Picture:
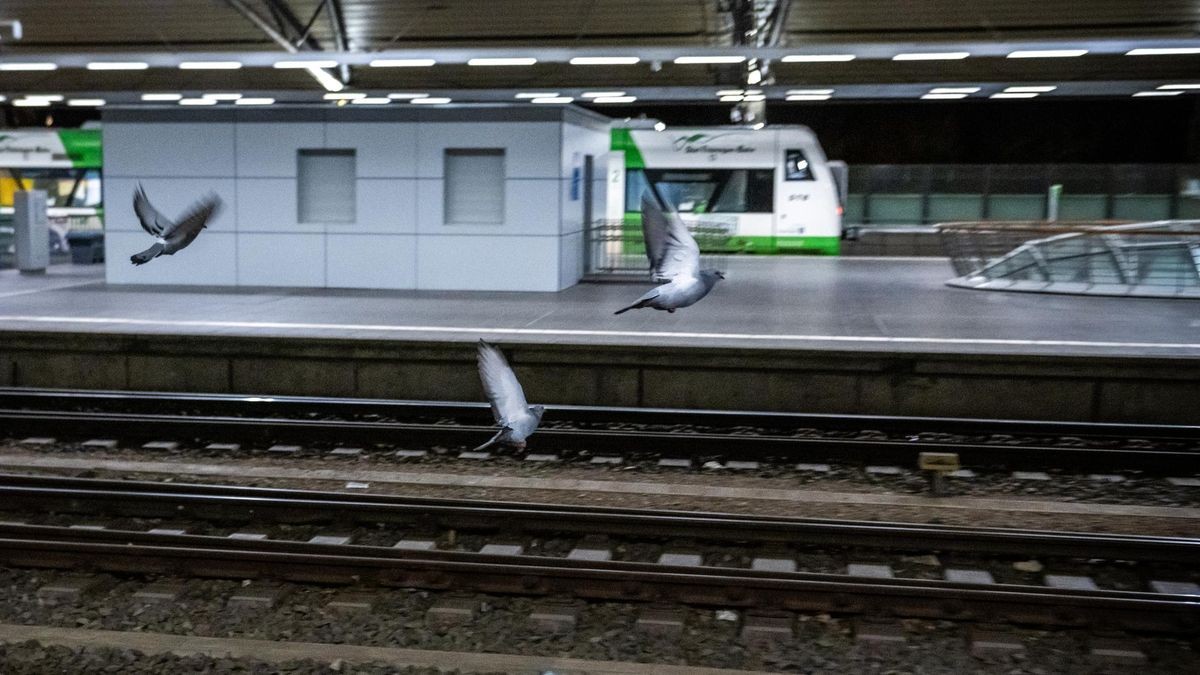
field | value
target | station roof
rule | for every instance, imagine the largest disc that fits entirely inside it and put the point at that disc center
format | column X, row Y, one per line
column 163, row 33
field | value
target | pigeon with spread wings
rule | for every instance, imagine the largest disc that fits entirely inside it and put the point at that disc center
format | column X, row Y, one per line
column 170, row 236
column 674, row 259
column 517, row 419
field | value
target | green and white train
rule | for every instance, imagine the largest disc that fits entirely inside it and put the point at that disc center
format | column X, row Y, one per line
column 771, row 189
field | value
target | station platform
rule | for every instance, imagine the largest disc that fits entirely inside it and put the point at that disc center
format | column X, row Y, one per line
column 852, row 335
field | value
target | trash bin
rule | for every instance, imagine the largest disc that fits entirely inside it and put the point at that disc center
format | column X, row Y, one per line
column 87, row 247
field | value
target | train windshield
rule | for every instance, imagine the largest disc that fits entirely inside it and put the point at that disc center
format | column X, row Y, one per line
column 707, row 190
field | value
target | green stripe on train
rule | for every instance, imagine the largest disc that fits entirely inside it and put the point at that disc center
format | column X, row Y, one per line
column 632, row 242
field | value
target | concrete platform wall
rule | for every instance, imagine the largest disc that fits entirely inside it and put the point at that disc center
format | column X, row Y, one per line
column 399, row 238
column 1107, row 389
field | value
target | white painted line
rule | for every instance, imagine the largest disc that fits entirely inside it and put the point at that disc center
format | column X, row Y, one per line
column 565, row 332
column 12, row 294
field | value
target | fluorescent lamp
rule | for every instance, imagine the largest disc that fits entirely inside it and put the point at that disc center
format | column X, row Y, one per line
column 86, row 102
column 1036, row 89
column 1017, row 94
column 3, row 98
column 1157, row 93
column 604, row 60
column 161, row 97
column 31, row 103
column 326, row 80
column 1046, row 53
column 197, row 101
column 601, row 94
column 730, row 92
column 942, row 97
column 503, row 61
column 659, row 126
column 553, row 99
column 210, row 65
column 118, row 65
column 343, row 95
column 1163, row 51
column 754, row 98
column 431, row 100
column 809, row 92
column 931, row 56
column 44, row 97
column 817, row 58
column 954, row 90
column 28, row 66
column 402, row 63
column 684, row 60
column 250, row 100
column 807, row 97
column 730, row 98
column 403, row 96
column 372, row 100
column 614, row 99
column 222, row 97
column 536, row 94
column 308, row 63
column 1180, row 86
column 759, row 126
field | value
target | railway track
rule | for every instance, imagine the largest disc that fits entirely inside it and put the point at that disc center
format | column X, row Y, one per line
column 25, row 544
column 685, row 433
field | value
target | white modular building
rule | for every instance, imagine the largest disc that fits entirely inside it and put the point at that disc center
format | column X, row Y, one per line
column 489, row 198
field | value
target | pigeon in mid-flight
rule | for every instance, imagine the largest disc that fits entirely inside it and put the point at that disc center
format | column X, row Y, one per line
column 517, row 419
column 171, row 236
column 675, row 259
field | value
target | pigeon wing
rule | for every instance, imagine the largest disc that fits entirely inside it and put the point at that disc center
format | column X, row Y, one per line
column 152, row 221
column 501, row 385
column 194, row 220
column 672, row 250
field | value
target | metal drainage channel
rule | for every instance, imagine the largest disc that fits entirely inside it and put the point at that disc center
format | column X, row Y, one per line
column 208, row 556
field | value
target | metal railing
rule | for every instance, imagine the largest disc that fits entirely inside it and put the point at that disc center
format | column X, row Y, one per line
column 617, row 249
column 1154, row 259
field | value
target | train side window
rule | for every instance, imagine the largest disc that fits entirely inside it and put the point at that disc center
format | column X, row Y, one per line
column 796, row 166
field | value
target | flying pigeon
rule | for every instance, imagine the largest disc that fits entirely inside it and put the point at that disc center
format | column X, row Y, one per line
column 171, row 237
column 517, row 419
column 674, row 259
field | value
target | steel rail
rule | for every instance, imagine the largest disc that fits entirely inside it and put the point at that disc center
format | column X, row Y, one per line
column 172, row 500
column 202, row 556
column 148, row 426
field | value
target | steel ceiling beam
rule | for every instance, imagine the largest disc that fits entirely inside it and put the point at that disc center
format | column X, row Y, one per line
column 337, row 24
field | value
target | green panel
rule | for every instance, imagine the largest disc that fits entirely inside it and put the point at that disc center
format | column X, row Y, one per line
column 83, row 147
column 1083, row 207
column 951, row 208
column 1141, row 207
column 768, row 245
column 895, row 209
column 1016, row 207
column 623, row 140
column 1189, row 208
column 856, row 209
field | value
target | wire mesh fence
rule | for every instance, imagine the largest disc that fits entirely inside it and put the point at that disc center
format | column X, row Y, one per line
column 617, row 248
column 1160, row 259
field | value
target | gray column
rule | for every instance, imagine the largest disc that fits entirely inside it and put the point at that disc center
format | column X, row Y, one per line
column 31, row 233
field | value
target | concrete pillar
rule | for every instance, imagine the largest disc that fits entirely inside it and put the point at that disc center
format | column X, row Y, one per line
column 31, row 235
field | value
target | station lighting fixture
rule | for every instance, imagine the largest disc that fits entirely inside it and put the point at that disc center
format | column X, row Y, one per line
column 1046, row 53
column 1180, row 87
column 161, row 97
column 197, row 101
column 402, row 63
column 604, row 60
column 32, row 103
column 730, row 98
column 253, row 100
column 222, row 96
column 1157, row 92
column 759, row 126
column 307, row 63
column 553, row 99
column 808, row 97
column 371, row 100
column 602, row 94
column 326, row 80
column 954, row 90
column 503, row 61
column 1163, row 51
column 942, row 97
column 28, row 66
column 406, row 96
column 54, row 98
column 210, row 65
column 3, row 98
column 536, row 94
column 86, row 102
column 431, row 100
column 754, row 98
column 614, row 99
column 931, row 56
column 1015, row 94
column 685, row 60
column 818, row 58
column 809, row 92
column 343, row 95
column 730, row 92
column 1035, row 89
column 117, row 65
column 659, row 126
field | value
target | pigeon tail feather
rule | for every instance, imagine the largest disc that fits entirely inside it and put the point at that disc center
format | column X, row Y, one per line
column 147, row 255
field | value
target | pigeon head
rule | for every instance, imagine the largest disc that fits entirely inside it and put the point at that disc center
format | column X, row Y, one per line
column 712, row 276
